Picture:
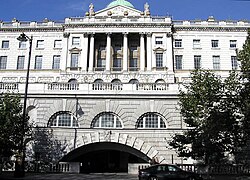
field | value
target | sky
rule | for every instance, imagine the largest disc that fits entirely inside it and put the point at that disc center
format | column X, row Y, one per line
column 58, row 10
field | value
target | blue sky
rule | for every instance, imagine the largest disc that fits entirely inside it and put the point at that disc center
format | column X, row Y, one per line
column 57, row 10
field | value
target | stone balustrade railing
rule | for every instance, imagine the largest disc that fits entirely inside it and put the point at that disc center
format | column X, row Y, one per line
column 91, row 88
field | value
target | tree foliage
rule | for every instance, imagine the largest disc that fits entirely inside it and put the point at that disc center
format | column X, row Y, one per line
column 211, row 109
column 11, row 125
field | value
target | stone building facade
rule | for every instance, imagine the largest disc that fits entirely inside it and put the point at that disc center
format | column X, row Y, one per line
column 106, row 84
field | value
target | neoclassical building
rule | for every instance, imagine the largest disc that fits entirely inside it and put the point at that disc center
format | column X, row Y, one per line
column 106, row 84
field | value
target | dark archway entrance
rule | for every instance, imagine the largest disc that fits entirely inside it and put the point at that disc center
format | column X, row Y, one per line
column 105, row 157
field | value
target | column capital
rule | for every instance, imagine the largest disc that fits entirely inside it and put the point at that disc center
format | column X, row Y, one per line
column 66, row 35
column 85, row 35
column 142, row 33
column 149, row 34
column 169, row 34
column 125, row 33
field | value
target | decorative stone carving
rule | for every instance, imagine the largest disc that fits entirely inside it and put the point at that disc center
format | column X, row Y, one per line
column 91, row 10
column 146, row 10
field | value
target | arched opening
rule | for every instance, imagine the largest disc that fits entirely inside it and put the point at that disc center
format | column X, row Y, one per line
column 151, row 120
column 103, row 157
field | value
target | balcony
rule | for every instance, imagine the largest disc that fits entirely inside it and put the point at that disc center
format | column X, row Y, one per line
column 93, row 88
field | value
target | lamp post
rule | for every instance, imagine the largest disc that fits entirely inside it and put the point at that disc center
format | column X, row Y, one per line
column 24, row 38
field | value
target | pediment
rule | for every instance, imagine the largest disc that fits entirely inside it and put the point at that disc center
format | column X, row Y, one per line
column 75, row 49
column 159, row 49
column 118, row 10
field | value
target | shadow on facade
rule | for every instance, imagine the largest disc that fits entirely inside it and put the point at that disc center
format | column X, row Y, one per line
column 105, row 157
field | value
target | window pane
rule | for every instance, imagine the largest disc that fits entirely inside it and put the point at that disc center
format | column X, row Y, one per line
column 234, row 62
column 158, row 40
column 197, row 62
column 215, row 43
column 178, row 62
column 58, row 44
column 56, row 62
column 76, row 41
column 178, row 43
column 151, row 120
column 233, row 43
column 40, row 44
column 196, row 43
column 38, row 62
column 107, row 120
column 74, row 59
column 117, row 64
column 5, row 44
column 159, row 59
column 22, row 44
column 216, row 62
column 64, row 120
column 20, row 62
column 3, row 62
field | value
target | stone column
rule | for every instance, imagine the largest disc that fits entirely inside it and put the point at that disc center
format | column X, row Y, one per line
column 142, row 52
column 91, row 52
column 169, row 63
column 84, row 56
column 108, row 52
column 149, row 51
column 125, row 51
column 65, row 56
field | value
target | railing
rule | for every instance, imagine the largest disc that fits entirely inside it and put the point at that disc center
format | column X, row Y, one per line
column 9, row 86
column 63, row 86
column 91, row 88
column 107, row 86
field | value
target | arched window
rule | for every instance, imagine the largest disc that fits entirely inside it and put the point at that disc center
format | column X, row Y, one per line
column 116, row 84
column 63, row 119
column 106, row 120
column 151, row 120
column 133, row 81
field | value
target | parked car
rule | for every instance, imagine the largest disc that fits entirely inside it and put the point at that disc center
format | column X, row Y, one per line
column 167, row 172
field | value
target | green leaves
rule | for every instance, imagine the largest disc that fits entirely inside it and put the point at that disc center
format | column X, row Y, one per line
column 11, row 124
column 211, row 109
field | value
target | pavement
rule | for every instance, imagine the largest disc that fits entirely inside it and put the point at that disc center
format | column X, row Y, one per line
column 96, row 176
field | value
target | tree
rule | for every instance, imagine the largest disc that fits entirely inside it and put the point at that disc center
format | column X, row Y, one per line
column 244, row 58
column 11, row 125
column 210, row 108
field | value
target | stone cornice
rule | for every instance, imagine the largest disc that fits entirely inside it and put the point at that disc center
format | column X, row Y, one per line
column 32, row 29
column 131, row 25
column 205, row 28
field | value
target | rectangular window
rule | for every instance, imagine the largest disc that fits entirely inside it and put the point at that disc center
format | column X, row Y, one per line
column 101, row 63
column 58, row 44
column 216, row 62
column 56, row 62
column 215, row 43
column 233, row 43
column 38, row 62
column 20, row 62
column 159, row 60
column 22, row 44
column 3, row 62
column 178, row 61
column 40, row 44
column 74, row 60
column 133, row 64
column 178, row 43
column 197, row 62
column 117, row 64
column 196, row 43
column 76, row 41
column 158, row 40
column 234, row 62
column 5, row 44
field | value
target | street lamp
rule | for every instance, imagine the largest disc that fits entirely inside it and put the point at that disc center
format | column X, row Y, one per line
column 24, row 38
